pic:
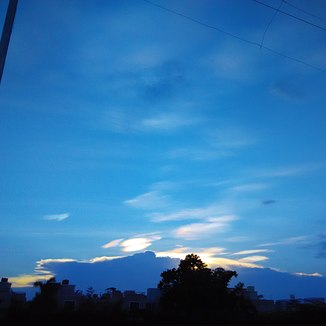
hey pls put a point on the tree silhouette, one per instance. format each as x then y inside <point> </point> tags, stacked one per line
<point>194,288</point>
<point>46,300</point>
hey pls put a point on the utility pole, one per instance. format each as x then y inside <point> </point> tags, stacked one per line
<point>6,33</point>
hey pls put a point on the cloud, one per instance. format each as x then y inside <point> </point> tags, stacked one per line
<point>133,244</point>
<point>287,89</point>
<point>228,263</point>
<point>287,241</point>
<point>307,274</point>
<point>148,201</point>
<point>41,263</point>
<point>41,273</point>
<point>56,217</point>
<point>24,280</point>
<point>201,230</point>
<point>137,244</point>
<point>236,239</point>
<point>231,137</point>
<point>166,122</point>
<point>137,272</point>
<point>290,170</point>
<point>163,81</point>
<point>249,252</point>
<point>142,271</point>
<point>163,185</point>
<point>112,243</point>
<point>252,259</point>
<point>200,154</point>
<point>211,256</point>
<point>191,213</point>
<point>102,259</point>
<point>250,187</point>
<point>221,143</point>
<point>231,62</point>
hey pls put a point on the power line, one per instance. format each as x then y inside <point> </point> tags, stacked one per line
<point>234,36</point>
<point>201,23</point>
<point>269,24</point>
<point>304,11</point>
<point>290,15</point>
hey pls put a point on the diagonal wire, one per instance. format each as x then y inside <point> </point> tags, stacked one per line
<point>235,36</point>
<point>304,11</point>
<point>270,22</point>
<point>290,15</point>
<point>201,23</point>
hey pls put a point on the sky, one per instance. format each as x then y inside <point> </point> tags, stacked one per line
<point>174,126</point>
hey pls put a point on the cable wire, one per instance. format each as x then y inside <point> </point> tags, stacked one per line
<point>235,36</point>
<point>269,24</point>
<point>304,11</point>
<point>290,15</point>
<point>201,23</point>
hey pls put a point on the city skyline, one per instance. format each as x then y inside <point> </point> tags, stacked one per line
<point>171,126</point>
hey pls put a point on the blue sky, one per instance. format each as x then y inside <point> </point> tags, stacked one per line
<point>126,127</point>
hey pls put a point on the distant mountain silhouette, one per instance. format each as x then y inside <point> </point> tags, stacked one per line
<point>141,271</point>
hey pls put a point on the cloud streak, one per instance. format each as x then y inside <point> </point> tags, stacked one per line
<point>287,241</point>
<point>148,201</point>
<point>137,243</point>
<point>56,217</point>
<point>191,213</point>
<point>113,243</point>
<point>166,122</point>
<point>249,252</point>
<point>196,231</point>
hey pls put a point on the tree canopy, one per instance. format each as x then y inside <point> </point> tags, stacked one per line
<point>194,287</point>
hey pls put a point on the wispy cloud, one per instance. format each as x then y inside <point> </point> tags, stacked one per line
<point>191,213</point>
<point>231,263</point>
<point>136,243</point>
<point>211,256</point>
<point>309,274</point>
<point>166,122</point>
<point>252,259</point>
<point>287,241</point>
<point>201,230</point>
<point>221,143</point>
<point>231,137</point>
<point>25,280</point>
<point>250,252</point>
<point>287,89</point>
<point>237,239</point>
<point>149,200</point>
<point>56,217</point>
<point>42,272</point>
<point>40,263</point>
<point>102,259</point>
<point>113,243</point>
<point>250,187</point>
<point>200,154</point>
<point>181,252</point>
<point>288,171</point>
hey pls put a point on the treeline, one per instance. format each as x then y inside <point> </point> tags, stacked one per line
<point>190,294</point>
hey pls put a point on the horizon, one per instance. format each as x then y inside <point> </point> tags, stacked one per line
<point>170,126</point>
<point>141,271</point>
